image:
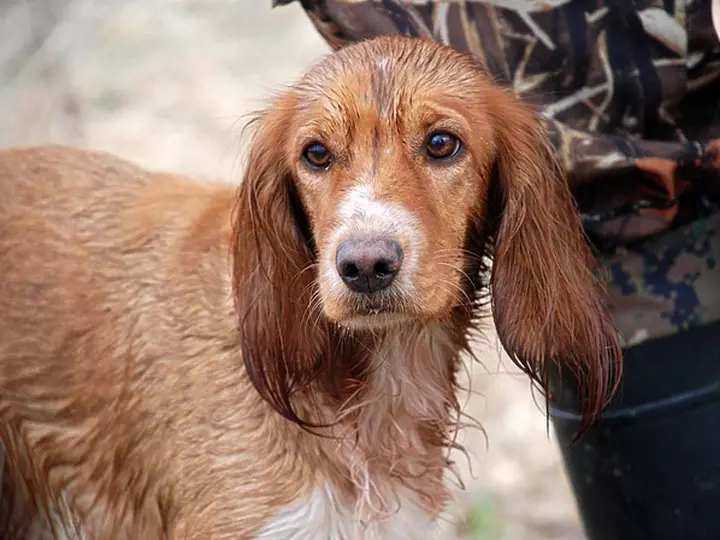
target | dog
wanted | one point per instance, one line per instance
(184, 359)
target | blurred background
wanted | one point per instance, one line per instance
(169, 84)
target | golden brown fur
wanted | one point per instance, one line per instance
(175, 358)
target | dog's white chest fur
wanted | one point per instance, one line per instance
(319, 517)
(402, 367)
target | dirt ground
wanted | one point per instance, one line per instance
(168, 84)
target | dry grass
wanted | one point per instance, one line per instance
(168, 84)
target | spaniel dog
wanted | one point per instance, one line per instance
(188, 360)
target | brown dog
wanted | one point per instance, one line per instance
(172, 368)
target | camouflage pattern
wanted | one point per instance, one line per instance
(668, 283)
(630, 94)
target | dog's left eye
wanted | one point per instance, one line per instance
(317, 155)
(442, 145)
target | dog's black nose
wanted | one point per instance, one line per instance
(366, 266)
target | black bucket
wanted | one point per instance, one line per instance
(650, 468)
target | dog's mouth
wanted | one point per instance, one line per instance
(374, 311)
(375, 320)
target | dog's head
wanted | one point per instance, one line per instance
(376, 185)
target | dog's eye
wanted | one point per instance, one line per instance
(442, 145)
(317, 155)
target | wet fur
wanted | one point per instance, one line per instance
(169, 366)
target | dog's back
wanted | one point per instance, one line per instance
(116, 332)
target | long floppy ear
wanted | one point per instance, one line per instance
(547, 302)
(273, 270)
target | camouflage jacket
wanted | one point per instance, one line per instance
(630, 94)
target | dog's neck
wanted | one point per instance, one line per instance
(396, 420)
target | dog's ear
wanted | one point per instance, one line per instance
(548, 304)
(273, 269)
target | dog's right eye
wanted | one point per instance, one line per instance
(317, 155)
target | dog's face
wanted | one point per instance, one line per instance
(374, 188)
(391, 158)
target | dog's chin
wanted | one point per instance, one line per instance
(376, 312)
(375, 321)
(359, 316)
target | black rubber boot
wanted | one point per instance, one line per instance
(650, 468)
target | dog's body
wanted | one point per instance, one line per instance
(126, 409)
(120, 281)
(105, 278)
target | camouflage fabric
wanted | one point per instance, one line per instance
(630, 94)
